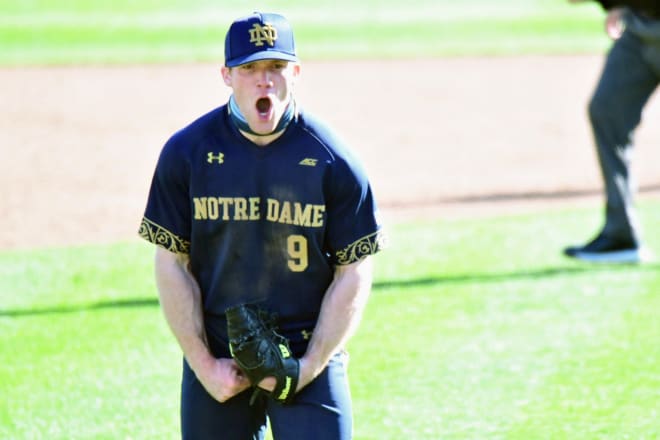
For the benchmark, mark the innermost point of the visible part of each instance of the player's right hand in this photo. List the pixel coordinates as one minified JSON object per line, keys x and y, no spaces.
{"x":223,"y":379}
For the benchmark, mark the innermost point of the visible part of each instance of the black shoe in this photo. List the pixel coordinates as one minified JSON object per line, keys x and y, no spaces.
{"x":604,"y":249}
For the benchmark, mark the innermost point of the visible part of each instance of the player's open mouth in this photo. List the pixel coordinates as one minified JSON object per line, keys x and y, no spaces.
{"x":263,"y":106}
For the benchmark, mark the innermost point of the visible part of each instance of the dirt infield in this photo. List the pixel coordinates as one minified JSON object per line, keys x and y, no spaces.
{"x":441,"y":137}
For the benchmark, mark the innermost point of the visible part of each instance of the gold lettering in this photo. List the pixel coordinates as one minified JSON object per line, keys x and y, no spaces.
{"x":200,"y":208}
{"x":317,"y":219}
{"x":225,"y":202}
{"x":212,"y":206}
{"x":272,"y":210}
{"x":302,"y":216}
{"x":240,"y":208}
{"x":249,"y":209}
{"x":285,"y":213}
{"x":254,"y":208}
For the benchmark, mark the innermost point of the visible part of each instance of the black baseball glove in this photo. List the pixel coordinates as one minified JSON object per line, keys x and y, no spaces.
{"x":261,"y":352}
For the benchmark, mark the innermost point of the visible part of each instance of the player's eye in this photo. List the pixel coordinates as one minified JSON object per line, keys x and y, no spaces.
{"x":280,"y":65}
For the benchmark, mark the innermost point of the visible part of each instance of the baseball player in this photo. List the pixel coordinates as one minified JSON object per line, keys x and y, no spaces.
{"x":630,"y":76}
{"x":257,"y":202}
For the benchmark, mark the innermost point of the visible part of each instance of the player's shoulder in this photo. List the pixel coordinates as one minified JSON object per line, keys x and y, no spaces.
{"x":325,"y":136}
{"x":202,"y":127}
{"x":181,"y":146}
{"x":341,"y":157}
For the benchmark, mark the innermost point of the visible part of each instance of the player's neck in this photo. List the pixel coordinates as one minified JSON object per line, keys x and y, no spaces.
{"x":261,"y":140}
{"x":258,"y":138}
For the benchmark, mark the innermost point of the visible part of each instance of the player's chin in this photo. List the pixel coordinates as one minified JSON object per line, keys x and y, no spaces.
{"x":263,"y":127}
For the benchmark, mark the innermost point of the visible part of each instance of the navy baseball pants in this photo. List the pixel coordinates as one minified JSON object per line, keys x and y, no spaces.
{"x":322,"y":410}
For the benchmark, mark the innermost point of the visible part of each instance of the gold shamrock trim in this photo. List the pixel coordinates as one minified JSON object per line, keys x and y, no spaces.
{"x":160,"y":236}
{"x":367,"y":245}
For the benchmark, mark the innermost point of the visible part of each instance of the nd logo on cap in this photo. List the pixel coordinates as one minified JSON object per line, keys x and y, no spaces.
{"x":260,"y":36}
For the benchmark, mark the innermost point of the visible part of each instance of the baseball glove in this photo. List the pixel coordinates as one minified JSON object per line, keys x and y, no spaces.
{"x":261,"y":352}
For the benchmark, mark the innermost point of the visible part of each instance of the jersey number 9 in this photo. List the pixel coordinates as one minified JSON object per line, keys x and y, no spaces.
{"x":297,"y":248}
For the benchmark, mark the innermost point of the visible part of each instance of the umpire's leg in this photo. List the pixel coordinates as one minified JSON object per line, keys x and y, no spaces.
{"x":615,"y":111}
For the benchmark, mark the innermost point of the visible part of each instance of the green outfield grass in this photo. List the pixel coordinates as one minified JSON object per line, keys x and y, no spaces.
{"x":77,"y":31}
{"x":476,"y":329}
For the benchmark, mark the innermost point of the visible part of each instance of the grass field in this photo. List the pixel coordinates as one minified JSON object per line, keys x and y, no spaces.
{"x":476,"y":329}
{"x":77,"y":31}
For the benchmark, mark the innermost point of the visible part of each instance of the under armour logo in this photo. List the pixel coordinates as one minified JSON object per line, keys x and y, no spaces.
{"x":259,"y":34}
{"x":210,"y":157}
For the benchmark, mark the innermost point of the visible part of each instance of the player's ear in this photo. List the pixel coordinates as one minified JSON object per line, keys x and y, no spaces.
{"x":226,"y":75}
{"x":295,"y":74}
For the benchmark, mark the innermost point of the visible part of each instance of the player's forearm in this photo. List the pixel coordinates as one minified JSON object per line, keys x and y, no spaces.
{"x":180,"y":299}
{"x":341,"y":313}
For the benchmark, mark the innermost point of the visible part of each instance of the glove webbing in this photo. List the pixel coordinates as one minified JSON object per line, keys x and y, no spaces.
{"x":248,"y":325}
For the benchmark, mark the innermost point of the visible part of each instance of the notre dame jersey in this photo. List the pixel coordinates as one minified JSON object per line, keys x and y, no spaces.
{"x":261,"y":224}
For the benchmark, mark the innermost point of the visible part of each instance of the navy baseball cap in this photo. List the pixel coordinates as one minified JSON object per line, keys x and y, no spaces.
{"x":260,"y":36}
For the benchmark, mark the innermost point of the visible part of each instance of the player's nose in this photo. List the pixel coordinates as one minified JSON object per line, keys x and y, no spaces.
{"x":264,"y":78}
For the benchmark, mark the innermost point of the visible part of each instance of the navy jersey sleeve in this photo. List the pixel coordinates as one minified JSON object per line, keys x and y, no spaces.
{"x":354,"y":229}
{"x":166,"y":220}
